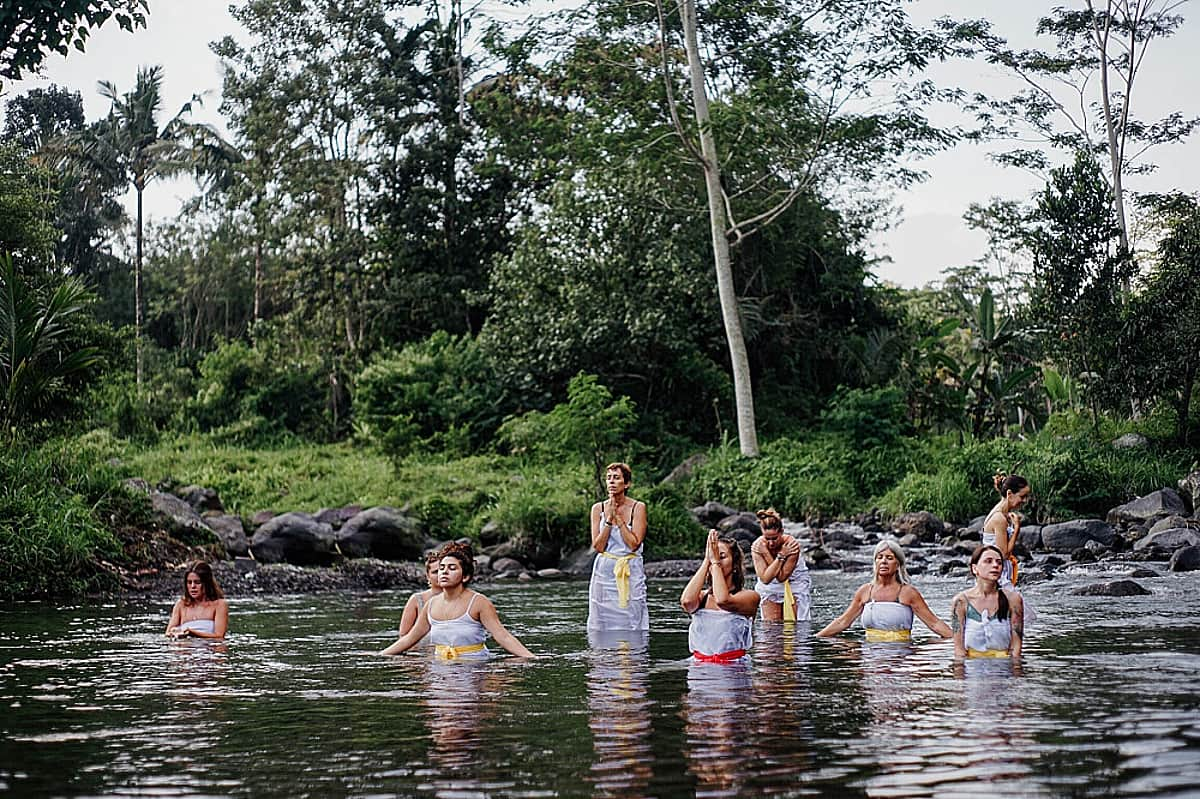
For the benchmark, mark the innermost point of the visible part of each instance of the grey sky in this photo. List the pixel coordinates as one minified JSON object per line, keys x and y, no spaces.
{"x":930,"y":236}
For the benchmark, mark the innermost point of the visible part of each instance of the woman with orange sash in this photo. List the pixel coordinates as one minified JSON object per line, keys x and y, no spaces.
{"x":722,"y":616}
{"x":888,"y":603}
{"x":1003,"y":523}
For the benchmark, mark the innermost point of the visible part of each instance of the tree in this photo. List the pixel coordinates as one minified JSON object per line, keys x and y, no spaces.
{"x":26,"y":207}
{"x":1080,"y":95}
{"x":32,"y":29}
{"x":131,"y":145}
{"x":35,"y":356}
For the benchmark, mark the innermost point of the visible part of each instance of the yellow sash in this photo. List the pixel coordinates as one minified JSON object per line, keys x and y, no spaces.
{"x":987,"y":653}
{"x":447,"y":652}
{"x":789,"y":602}
{"x":622,"y":573}
{"x":875,"y":636}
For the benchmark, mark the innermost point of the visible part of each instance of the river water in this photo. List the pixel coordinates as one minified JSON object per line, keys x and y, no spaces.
{"x":94,"y":701}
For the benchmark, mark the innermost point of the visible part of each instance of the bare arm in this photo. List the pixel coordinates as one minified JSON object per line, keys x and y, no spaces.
{"x":1016,"y":611}
{"x":409,"y":617}
{"x":768,"y":567}
{"x":689,"y":600}
{"x":599,"y":532}
{"x":490,"y":619}
{"x":791,"y":557}
{"x":958,"y":623}
{"x":996,"y":525}
{"x":176,"y":617}
{"x":633,"y":534}
{"x":849,"y":614}
{"x":744,"y":602}
{"x":921,"y":608}
{"x":410,"y":639}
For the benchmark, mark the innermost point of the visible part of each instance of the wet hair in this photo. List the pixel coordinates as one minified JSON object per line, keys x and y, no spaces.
{"x":209,"y":583}
{"x":901,"y":559}
{"x":1002,"y":607}
{"x":769,"y":519}
{"x":738,"y":575}
{"x":1008,"y":482}
{"x":623,"y":468}
{"x":463,"y":554}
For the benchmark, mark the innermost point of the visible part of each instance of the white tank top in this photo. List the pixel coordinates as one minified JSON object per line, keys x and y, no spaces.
{"x":714,"y":632}
{"x":457,"y":632}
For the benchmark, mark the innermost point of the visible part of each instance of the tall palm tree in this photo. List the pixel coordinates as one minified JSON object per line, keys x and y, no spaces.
{"x":131,"y":145}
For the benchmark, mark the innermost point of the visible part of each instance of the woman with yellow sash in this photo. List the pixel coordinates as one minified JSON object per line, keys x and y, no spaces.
{"x":989,"y":620}
{"x":458,"y":620}
{"x":784,"y":584}
{"x":888,"y":603}
{"x":617,"y":592}
{"x":723,"y":616}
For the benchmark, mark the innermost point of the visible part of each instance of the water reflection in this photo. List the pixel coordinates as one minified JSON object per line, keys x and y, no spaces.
{"x":782,"y":706}
{"x":460,"y":704}
{"x":619,"y":713}
{"x":716,"y":737}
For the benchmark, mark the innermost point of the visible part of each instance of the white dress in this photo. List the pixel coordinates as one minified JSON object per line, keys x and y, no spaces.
{"x":605,"y":608}
{"x":801,"y":582}
{"x":720,"y":636}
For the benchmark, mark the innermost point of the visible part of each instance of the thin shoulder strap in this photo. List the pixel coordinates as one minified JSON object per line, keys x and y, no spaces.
{"x":474,"y":596}
{"x":633,"y":511}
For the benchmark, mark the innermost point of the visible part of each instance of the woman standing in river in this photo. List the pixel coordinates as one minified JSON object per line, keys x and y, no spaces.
{"x":617,"y":592}
{"x":888,"y":603}
{"x":784,"y":583}
{"x":202,"y":611}
{"x":723,"y":616}
{"x":989,"y":620}
{"x":1003,"y":523}
{"x":417,"y":602}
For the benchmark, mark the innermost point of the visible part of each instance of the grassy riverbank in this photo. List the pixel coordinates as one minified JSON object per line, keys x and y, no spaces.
{"x":61,"y":503}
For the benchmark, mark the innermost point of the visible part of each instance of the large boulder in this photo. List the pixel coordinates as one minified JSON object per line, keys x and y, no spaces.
{"x":1169,"y":540}
{"x":1168,"y":523}
{"x":179,"y":519}
{"x":923,"y":524}
{"x":383,"y":533}
{"x":1186,"y":559}
{"x":1114,"y":588}
{"x":1030,"y":537}
{"x":746,"y":522}
{"x":1160,"y":503}
{"x":295,"y":538}
{"x":711,"y":513}
{"x":1189,"y":489}
{"x":684,"y":471}
{"x":578,"y":561}
{"x":1073,"y":535}
{"x":200,"y":498}
{"x":231,"y":532}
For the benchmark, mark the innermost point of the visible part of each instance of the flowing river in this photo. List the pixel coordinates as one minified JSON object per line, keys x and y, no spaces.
{"x":95,"y":702}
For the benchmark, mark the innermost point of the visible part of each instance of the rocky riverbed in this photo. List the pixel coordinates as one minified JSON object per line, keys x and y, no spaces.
{"x":355,"y":548}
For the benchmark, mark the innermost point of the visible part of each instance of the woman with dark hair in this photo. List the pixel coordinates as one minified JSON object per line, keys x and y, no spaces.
{"x":888,"y":603}
{"x":458,"y":620}
{"x":784,"y":584}
{"x":723,"y":616}
{"x":416,"y":602}
{"x":1003,"y":523}
{"x":617,"y":591}
{"x":988,"y":619}
{"x":202,"y":611}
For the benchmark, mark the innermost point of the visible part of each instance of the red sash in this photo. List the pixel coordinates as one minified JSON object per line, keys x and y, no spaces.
{"x":720,"y":657}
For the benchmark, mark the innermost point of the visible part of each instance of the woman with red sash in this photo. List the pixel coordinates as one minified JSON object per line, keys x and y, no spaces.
{"x":722,"y":616}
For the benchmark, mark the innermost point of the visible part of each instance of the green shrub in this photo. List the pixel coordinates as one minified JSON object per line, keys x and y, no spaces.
{"x":437,"y":395}
{"x":52,"y":501}
{"x":671,"y":532}
{"x":947,"y":494}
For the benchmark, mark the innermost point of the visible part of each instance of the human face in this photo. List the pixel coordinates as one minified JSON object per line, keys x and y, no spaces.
{"x":431,"y":574}
{"x":195,"y":586}
{"x":1019,"y":498}
{"x":450,"y":572}
{"x":772,"y":533}
{"x":989,"y":566}
{"x":725,"y":558}
{"x":615,"y":482}
{"x":886,"y":563}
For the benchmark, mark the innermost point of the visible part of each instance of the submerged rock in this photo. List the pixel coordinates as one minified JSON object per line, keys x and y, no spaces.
{"x":1186,"y":559}
{"x":1113,"y":588}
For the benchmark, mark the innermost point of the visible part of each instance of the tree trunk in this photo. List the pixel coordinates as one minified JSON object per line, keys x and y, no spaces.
{"x":258,"y":248}
{"x":738,"y":359}
{"x":1182,"y":422}
{"x":137,"y":291}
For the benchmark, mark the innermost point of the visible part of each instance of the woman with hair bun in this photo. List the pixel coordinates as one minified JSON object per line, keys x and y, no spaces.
{"x":888,"y":603}
{"x":458,"y":620}
{"x":784,"y":583}
{"x":989,"y":620}
{"x":202,"y":611}
{"x":1003,"y":523}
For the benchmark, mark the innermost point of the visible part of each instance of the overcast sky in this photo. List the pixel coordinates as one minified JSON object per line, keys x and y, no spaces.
{"x":930,"y":236}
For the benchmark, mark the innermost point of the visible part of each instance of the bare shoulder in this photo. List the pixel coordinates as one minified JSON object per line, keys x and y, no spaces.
{"x":863,"y":592}
{"x":911,"y":593}
{"x":1014,"y":598}
{"x":479,"y":603}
